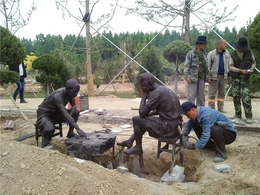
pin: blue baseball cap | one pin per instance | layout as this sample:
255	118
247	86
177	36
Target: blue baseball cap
186	106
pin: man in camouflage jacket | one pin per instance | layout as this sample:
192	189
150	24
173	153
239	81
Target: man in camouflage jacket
196	72
241	66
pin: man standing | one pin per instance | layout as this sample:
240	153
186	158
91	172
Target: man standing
20	85
241	66
163	102
52	111
196	72
218	62
213	129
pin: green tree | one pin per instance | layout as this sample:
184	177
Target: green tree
8	77
28	45
176	52
254	44
53	73
11	49
150	61
46	44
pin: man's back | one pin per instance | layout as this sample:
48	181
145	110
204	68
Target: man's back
165	102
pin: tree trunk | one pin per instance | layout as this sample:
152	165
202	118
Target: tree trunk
5	15
187	21
88	56
176	75
48	89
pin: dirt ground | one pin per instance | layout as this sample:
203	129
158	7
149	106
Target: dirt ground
27	169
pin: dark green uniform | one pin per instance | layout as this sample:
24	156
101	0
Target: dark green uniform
241	84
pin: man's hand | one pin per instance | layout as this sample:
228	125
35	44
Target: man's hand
190	146
188	80
186	143
229	79
250	71
243	71
81	133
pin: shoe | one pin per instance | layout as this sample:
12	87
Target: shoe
134	150
23	101
249	121
235	117
126	143
218	159
222	110
45	141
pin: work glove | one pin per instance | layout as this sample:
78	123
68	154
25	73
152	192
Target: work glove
186	143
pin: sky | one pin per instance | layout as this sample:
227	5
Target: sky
48	20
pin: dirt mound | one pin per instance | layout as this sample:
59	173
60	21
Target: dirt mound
27	169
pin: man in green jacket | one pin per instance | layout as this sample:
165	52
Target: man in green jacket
196	72
218	62
241	66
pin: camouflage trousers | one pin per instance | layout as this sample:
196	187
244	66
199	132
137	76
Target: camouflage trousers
241	91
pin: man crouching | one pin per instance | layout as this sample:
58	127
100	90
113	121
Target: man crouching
52	111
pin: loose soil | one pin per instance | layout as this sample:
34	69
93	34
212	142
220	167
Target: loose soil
28	169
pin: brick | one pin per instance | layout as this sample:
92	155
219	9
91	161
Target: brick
221	168
122	169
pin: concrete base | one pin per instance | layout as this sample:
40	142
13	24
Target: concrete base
176	175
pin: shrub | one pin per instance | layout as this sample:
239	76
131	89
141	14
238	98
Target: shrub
255	82
8	77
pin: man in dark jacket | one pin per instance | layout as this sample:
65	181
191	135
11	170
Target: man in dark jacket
20	85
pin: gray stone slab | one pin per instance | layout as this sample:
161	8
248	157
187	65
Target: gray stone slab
122	169
221	168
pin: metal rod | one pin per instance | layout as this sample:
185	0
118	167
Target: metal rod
221	38
257	70
74	42
132	59
228	90
210	27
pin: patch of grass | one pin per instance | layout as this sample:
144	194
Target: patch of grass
125	95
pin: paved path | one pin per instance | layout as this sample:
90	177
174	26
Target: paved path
116	108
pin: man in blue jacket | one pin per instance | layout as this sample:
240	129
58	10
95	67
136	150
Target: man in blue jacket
211	127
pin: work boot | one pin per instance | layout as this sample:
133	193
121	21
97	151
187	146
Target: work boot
222	110
218	159
134	150
249	121
235	117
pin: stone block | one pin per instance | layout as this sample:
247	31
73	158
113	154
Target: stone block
122	169
176	175
49	147
221	168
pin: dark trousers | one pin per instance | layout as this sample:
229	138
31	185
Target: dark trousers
20	88
219	137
